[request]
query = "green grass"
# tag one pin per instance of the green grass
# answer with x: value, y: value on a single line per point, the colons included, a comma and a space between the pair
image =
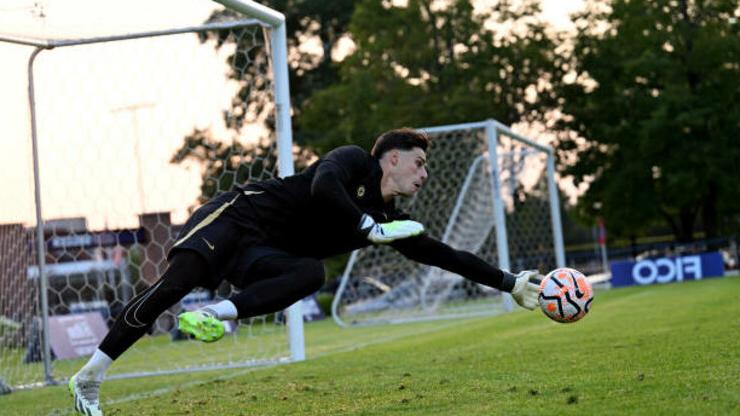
x: 671, y: 349
x: 159, y: 354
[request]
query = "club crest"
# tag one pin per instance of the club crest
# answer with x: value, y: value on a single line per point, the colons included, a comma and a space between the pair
x: 360, y: 191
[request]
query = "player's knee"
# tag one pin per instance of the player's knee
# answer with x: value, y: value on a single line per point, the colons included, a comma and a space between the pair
x: 314, y: 274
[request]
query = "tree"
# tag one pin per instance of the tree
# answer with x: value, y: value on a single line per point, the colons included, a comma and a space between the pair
x: 326, y: 21
x: 306, y: 20
x: 226, y: 164
x: 431, y: 63
x: 226, y: 159
x: 652, y: 118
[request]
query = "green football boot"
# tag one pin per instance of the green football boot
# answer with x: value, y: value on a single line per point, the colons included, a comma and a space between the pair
x: 85, y: 394
x: 200, y: 325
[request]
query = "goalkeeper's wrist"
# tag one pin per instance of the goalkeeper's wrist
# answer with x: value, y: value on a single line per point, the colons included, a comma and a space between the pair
x: 366, y: 224
x: 508, y: 281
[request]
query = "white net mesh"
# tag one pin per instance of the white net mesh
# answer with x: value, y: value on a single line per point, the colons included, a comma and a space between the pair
x: 456, y: 206
x: 126, y: 131
x: 524, y: 191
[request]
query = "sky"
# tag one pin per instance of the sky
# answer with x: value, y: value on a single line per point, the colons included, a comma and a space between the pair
x: 110, y: 117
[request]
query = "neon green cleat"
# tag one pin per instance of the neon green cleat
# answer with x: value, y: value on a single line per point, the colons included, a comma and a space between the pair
x: 201, y: 325
x: 85, y: 394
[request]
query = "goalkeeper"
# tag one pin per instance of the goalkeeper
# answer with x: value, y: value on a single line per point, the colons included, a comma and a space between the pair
x: 268, y: 239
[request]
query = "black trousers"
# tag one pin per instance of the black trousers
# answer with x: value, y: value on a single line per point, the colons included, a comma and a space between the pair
x: 271, y: 283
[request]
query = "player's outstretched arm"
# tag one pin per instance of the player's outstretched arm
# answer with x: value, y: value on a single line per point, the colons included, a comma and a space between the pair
x: 427, y: 250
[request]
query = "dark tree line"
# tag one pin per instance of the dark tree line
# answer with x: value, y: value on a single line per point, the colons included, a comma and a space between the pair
x: 646, y: 93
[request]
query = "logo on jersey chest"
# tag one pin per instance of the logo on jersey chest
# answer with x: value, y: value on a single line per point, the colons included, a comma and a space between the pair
x: 360, y: 191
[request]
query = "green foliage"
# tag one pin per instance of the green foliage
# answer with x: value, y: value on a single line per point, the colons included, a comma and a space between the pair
x: 526, y: 220
x: 228, y: 164
x: 426, y: 64
x: 326, y: 20
x: 334, y: 266
x: 655, y: 96
x: 226, y: 160
x: 324, y: 300
x: 309, y: 70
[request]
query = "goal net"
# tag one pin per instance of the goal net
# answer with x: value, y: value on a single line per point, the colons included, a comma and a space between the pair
x: 465, y: 206
x: 141, y: 112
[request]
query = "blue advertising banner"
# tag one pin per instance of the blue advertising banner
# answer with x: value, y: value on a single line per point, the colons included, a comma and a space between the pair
x: 97, y: 238
x: 667, y: 269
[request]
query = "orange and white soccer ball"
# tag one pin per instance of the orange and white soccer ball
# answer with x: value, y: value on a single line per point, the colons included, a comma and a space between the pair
x: 565, y: 295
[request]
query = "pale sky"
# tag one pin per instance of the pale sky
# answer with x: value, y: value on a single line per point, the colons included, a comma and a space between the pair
x: 88, y: 129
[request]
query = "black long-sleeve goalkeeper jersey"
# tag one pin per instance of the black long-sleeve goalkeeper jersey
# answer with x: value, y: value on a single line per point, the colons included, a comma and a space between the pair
x: 316, y: 214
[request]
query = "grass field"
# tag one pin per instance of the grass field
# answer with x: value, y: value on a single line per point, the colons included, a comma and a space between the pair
x: 672, y: 349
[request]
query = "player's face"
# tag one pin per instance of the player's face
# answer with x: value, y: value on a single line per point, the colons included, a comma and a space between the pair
x: 411, y: 171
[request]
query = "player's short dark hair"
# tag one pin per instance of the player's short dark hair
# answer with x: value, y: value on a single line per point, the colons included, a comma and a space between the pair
x: 404, y: 139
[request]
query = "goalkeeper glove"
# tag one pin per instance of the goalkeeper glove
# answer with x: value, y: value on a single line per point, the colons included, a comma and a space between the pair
x: 390, y: 231
x: 527, y: 289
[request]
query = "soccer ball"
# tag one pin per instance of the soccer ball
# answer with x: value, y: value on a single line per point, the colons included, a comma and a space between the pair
x: 565, y: 295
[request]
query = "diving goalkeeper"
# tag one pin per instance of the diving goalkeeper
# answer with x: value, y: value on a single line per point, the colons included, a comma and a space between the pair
x: 268, y: 239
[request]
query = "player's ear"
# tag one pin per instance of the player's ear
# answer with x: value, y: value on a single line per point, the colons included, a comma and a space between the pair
x: 394, y: 157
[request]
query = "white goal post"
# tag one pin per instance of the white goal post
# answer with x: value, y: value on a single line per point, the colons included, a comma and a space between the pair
x: 491, y: 192
x: 123, y: 124
x: 284, y: 128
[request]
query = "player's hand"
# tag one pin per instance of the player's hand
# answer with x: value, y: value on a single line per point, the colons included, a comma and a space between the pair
x: 527, y: 289
x: 390, y: 231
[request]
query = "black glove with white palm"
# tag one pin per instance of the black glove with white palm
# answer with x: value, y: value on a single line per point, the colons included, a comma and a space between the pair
x: 526, y: 288
x: 383, y: 233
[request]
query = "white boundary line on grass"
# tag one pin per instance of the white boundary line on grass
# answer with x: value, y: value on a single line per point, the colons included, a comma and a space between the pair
x: 166, y: 390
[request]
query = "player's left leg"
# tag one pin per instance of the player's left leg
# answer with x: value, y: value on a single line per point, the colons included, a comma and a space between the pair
x: 186, y: 271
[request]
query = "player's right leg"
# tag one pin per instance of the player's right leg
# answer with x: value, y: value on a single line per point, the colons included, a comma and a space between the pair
x: 187, y: 271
